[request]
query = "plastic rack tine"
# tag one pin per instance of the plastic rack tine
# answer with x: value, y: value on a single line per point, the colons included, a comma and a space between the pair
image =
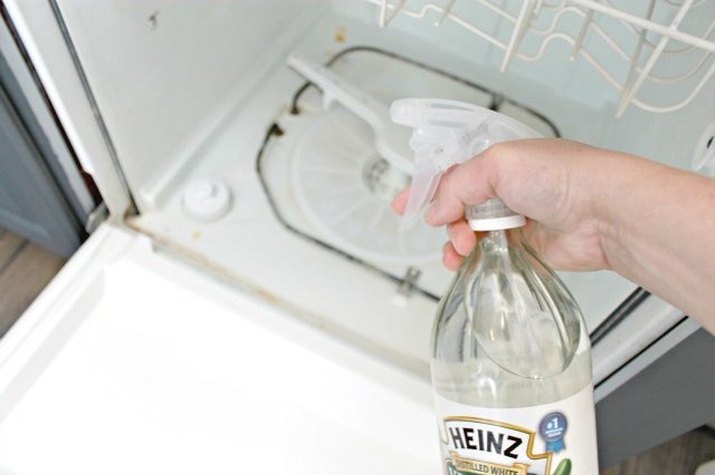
x: 635, y: 58
x: 684, y: 102
x: 445, y: 12
x: 631, y: 89
x: 641, y: 52
x: 669, y: 31
x: 385, y: 15
x: 582, y: 34
x: 522, y: 23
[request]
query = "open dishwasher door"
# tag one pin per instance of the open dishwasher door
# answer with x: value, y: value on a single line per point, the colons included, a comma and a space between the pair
x: 134, y: 353
x: 130, y: 362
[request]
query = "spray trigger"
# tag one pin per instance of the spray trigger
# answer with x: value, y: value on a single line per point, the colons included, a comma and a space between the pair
x: 446, y: 133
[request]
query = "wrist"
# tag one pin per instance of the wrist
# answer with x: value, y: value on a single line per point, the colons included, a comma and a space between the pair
x: 610, y: 209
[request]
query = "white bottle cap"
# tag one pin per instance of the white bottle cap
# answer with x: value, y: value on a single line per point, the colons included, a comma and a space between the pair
x: 493, y: 215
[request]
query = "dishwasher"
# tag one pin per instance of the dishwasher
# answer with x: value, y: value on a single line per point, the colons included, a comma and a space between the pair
x: 250, y: 304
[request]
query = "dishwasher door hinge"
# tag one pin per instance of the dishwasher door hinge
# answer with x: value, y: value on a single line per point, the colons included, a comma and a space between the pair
x: 96, y: 217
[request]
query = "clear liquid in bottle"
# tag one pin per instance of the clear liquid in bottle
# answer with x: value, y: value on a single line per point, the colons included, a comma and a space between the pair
x: 511, y: 367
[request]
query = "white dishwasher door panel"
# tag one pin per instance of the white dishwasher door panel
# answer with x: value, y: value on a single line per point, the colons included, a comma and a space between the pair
x: 132, y: 363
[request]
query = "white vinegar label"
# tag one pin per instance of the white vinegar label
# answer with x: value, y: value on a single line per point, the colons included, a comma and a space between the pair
x: 551, y: 439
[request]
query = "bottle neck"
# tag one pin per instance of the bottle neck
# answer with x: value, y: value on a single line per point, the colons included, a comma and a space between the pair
x: 498, y: 241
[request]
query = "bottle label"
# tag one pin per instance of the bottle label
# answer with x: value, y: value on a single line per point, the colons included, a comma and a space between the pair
x: 551, y: 439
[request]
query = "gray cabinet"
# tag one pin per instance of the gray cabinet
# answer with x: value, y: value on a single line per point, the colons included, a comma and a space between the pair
x: 672, y: 395
x: 37, y: 199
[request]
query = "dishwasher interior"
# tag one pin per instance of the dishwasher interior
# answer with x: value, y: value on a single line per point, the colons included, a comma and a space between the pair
x: 239, y: 165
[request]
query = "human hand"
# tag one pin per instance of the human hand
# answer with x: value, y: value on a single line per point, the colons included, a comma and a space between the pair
x: 589, y: 209
x: 555, y: 183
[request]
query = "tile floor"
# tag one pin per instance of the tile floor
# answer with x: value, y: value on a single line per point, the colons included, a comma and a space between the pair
x: 680, y: 456
x: 25, y: 269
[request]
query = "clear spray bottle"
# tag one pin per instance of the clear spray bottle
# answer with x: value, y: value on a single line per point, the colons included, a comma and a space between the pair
x: 511, y: 363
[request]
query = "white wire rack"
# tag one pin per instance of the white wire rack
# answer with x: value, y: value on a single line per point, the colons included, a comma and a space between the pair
x: 639, y: 47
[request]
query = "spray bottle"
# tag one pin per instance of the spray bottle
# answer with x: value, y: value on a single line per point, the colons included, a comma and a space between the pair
x: 511, y: 365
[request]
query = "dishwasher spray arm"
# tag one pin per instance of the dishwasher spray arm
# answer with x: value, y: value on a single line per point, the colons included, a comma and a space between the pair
x: 391, y: 139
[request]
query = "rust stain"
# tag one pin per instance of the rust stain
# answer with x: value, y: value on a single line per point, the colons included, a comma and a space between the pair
x: 340, y: 35
x: 224, y: 274
x: 234, y: 280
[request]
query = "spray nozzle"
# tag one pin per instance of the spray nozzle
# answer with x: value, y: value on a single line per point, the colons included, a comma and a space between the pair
x: 446, y: 133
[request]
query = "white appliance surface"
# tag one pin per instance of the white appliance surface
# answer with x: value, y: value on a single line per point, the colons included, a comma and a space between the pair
x: 188, y: 91
x: 145, y: 366
x: 251, y: 247
x: 132, y: 361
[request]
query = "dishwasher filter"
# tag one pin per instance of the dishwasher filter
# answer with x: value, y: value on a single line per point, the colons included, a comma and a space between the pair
x: 327, y: 181
x: 344, y: 188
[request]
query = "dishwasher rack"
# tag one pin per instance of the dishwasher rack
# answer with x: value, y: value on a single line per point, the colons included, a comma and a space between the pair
x: 639, y: 47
